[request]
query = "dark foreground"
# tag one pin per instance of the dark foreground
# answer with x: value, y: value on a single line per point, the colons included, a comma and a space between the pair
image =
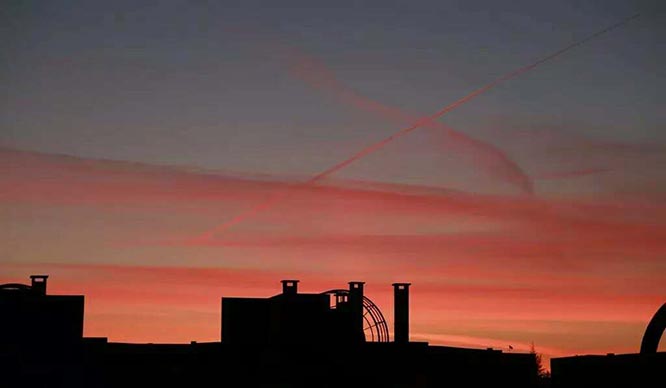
x: 95, y: 363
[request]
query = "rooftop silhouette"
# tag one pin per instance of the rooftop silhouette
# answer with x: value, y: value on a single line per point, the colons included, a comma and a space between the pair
x: 30, y: 316
x: 644, y: 369
x: 333, y: 338
x: 334, y: 316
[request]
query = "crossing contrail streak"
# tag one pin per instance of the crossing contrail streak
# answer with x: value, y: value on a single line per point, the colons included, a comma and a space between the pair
x: 263, y: 206
x: 424, y: 121
x: 485, y: 156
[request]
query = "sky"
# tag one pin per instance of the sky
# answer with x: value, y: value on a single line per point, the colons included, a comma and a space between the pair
x: 153, y: 157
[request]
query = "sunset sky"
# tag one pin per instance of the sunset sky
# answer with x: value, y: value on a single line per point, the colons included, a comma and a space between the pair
x: 133, y: 137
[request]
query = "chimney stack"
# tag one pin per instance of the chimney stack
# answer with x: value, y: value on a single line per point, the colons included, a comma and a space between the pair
x: 401, y: 312
x: 289, y: 287
x: 356, y: 306
x: 38, y: 285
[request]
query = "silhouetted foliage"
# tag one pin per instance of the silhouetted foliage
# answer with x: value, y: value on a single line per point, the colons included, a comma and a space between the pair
x: 538, y: 357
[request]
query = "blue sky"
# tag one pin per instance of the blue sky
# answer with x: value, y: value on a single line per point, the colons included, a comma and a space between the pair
x: 190, y: 82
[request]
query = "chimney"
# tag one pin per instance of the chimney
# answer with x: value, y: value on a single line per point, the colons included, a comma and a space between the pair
x: 289, y: 287
x: 401, y: 312
x: 356, y: 306
x: 39, y: 284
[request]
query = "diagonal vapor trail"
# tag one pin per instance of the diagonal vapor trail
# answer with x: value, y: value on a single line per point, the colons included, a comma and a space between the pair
x: 263, y: 206
x: 426, y: 120
x: 486, y: 156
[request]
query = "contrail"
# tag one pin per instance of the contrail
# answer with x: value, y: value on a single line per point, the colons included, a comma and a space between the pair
x: 424, y: 121
x: 574, y: 173
x: 419, y: 123
x: 486, y: 156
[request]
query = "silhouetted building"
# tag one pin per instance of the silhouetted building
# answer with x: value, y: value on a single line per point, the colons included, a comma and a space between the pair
x: 293, y: 317
x: 609, y: 371
x: 644, y: 369
x: 654, y: 331
x: 337, y: 338
x: 29, y: 316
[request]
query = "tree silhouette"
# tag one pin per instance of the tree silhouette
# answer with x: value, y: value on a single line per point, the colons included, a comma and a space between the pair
x: 542, y: 372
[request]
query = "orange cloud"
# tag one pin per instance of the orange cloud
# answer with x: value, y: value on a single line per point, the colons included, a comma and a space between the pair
x: 473, y: 258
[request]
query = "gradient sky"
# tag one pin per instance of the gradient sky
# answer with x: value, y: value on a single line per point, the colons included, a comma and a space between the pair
x: 127, y: 131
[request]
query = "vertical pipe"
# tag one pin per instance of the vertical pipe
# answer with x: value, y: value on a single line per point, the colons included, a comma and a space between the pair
x: 289, y: 287
x: 356, y: 307
x: 38, y: 285
x: 401, y: 312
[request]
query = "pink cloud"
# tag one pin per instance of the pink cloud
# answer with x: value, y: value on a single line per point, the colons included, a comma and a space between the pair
x: 373, y: 209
